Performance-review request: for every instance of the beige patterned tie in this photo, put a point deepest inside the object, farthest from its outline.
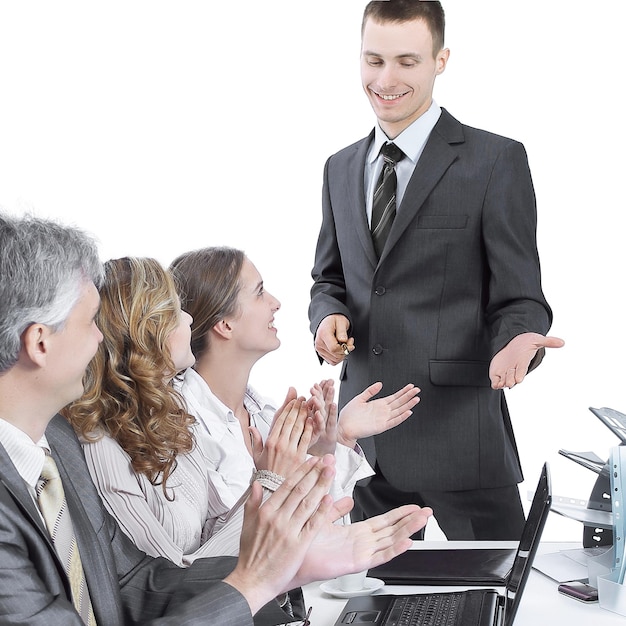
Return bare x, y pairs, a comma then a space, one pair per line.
53, 506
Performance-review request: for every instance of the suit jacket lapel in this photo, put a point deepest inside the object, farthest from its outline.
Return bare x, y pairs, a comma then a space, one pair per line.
436, 158
82, 497
356, 193
16, 486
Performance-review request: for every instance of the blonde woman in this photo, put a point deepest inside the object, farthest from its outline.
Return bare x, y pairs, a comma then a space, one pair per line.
138, 438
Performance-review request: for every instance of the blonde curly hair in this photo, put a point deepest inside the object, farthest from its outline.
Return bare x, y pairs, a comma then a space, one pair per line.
127, 393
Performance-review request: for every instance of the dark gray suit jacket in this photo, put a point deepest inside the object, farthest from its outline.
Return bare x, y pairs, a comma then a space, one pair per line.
458, 279
126, 586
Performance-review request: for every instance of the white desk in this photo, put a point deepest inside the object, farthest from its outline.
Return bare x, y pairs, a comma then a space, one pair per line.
541, 603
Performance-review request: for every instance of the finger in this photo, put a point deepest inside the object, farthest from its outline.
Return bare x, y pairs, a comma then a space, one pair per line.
347, 347
341, 330
319, 417
257, 442
326, 345
296, 421
329, 392
327, 384
509, 379
278, 423
393, 421
409, 404
520, 374
400, 539
292, 426
399, 522
405, 408
300, 495
497, 382
370, 392
316, 392
405, 396
254, 501
305, 438
315, 403
290, 397
386, 520
302, 471
553, 342
341, 508
332, 413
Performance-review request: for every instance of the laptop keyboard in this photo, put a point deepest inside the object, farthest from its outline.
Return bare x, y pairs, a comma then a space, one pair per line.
426, 610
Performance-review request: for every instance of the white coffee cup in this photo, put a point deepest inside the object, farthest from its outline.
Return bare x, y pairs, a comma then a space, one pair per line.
352, 582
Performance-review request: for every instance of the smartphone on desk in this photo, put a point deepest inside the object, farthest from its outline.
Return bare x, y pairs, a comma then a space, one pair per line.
579, 591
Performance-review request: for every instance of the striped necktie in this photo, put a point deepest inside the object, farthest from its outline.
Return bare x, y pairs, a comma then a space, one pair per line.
53, 506
384, 200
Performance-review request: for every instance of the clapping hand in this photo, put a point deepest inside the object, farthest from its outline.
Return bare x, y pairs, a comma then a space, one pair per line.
291, 540
288, 441
364, 417
323, 410
277, 534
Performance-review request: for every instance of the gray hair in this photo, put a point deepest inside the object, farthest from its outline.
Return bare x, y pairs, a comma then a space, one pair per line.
43, 268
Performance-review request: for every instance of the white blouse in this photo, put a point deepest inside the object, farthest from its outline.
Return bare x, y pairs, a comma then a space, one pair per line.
221, 438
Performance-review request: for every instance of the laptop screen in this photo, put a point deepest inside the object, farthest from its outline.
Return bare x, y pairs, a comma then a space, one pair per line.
528, 545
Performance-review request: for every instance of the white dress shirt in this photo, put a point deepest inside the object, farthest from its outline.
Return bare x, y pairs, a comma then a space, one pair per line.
411, 141
26, 455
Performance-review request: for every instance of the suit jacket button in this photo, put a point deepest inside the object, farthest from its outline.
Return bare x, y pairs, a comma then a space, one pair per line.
377, 349
380, 290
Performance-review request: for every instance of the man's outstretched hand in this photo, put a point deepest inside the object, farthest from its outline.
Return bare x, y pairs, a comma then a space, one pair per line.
510, 366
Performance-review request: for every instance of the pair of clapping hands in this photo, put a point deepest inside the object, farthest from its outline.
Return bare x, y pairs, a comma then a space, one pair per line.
290, 539
303, 427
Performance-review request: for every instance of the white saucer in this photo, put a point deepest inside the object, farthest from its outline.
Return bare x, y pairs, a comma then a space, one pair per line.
371, 585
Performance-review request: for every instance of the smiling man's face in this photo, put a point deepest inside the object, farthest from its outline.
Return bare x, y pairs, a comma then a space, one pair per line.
398, 71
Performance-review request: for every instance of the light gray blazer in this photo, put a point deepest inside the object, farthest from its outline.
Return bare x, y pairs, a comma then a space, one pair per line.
458, 279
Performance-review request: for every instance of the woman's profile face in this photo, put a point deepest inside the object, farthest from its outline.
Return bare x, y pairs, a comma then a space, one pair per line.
179, 342
253, 326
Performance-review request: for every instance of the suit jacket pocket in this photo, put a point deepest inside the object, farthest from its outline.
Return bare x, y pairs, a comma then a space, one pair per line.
460, 373
442, 221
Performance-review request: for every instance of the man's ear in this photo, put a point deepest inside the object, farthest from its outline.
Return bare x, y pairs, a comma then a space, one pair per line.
35, 343
442, 60
223, 329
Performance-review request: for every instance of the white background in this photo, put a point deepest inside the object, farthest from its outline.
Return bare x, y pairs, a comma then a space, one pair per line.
164, 126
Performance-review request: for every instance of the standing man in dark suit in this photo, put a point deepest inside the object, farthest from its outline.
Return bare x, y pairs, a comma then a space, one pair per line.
63, 559
443, 290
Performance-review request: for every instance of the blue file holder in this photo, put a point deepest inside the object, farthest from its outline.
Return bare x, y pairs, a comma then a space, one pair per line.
608, 571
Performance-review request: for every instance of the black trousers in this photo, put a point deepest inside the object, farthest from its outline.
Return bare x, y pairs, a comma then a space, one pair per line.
477, 515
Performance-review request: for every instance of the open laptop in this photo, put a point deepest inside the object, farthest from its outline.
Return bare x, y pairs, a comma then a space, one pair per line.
474, 607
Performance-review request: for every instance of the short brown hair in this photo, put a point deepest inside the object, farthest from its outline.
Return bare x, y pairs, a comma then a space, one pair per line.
430, 11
